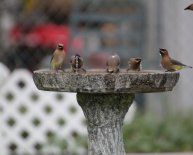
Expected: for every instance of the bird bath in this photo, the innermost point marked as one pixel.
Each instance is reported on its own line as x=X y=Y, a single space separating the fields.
x=105 y=99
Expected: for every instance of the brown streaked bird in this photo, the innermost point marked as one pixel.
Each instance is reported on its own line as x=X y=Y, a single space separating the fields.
x=77 y=63
x=190 y=7
x=113 y=63
x=57 y=60
x=134 y=64
x=170 y=64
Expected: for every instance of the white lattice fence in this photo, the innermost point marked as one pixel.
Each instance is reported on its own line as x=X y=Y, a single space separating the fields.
x=29 y=118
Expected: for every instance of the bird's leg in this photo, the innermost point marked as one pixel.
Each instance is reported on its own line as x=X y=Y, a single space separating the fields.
x=60 y=69
x=74 y=70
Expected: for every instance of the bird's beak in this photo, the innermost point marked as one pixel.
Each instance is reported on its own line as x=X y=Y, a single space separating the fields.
x=60 y=46
x=138 y=60
x=161 y=52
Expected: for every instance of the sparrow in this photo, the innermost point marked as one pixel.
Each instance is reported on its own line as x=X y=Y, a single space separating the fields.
x=77 y=63
x=134 y=64
x=113 y=63
x=170 y=64
x=190 y=7
x=57 y=60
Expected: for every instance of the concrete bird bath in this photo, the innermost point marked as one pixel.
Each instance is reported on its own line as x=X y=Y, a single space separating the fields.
x=105 y=99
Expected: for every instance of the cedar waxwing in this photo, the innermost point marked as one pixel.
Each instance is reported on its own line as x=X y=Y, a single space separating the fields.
x=170 y=64
x=190 y=7
x=57 y=60
x=113 y=63
x=134 y=64
x=77 y=63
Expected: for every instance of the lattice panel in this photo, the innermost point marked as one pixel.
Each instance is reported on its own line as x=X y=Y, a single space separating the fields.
x=29 y=117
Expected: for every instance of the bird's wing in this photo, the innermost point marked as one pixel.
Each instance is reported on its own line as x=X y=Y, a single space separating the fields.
x=51 y=59
x=175 y=62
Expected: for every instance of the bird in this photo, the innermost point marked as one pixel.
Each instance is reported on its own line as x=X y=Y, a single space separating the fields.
x=190 y=7
x=134 y=64
x=57 y=60
x=77 y=63
x=113 y=63
x=169 y=63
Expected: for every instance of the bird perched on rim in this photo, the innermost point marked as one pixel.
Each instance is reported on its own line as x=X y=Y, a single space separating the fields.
x=57 y=60
x=170 y=64
x=113 y=63
x=134 y=64
x=190 y=7
x=77 y=63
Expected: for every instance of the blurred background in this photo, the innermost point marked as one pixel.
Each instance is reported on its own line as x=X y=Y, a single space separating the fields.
x=35 y=122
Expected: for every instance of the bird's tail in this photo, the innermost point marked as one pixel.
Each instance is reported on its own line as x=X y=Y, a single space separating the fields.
x=188 y=66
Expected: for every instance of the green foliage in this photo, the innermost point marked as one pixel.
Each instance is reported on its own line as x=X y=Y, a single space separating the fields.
x=147 y=134
x=62 y=144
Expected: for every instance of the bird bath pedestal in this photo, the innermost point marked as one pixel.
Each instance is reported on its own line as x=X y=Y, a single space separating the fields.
x=105 y=99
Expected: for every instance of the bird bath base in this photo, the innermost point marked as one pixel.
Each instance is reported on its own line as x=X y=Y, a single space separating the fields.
x=105 y=99
x=105 y=114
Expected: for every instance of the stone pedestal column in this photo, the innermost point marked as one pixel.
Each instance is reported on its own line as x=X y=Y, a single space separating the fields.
x=105 y=114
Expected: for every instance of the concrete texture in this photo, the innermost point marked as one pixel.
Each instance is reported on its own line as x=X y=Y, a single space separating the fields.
x=99 y=81
x=105 y=99
x=105 y=114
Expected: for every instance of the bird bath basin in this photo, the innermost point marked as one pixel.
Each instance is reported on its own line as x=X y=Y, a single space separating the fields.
x=105 y=99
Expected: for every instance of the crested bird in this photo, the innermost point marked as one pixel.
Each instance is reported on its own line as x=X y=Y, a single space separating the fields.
x=134 y=64
x=169 y=63
x=113 y=63
x=57 y=60
x=77 y=63
x=190 y=7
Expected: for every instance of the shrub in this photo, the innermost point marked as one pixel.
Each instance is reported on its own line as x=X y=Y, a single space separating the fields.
x=171 y=134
